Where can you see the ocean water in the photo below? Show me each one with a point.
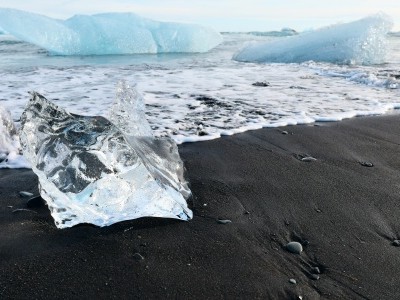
(195, 97)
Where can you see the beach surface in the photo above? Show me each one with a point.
(333, 187)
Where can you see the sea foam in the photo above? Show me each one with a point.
(359, 42)
(109, 33)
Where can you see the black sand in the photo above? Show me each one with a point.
(345, 214)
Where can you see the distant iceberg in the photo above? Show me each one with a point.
(109, 33)
(100, 171)
(359, 42)
(281, 33)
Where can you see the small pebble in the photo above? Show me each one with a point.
(315, 270)
(305, 242)
(224, 221)
(308, 159)
(284, 132)
(25, 194)
(23, 209)
(294, 247)
(246, 212)
(202, 133)
(366, 164)
(292, 281)
(138, 256)
(314, 277)
(396, 243)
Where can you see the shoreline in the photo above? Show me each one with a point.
(343, 212)
(321, 121)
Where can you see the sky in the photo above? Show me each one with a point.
(224, 15)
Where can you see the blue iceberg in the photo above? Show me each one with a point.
(109, 33)
(359, 42)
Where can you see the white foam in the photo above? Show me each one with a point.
(201, 97)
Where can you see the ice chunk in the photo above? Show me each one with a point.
(128, 112)
(10, 150)
(359, 42)
(111, 33)
(91, 171)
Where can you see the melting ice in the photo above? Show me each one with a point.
(109, 33)
(359, 42)
(100, 171)
(10, 150)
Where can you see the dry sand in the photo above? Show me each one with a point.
(345, 214)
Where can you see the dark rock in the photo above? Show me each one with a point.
(366, 164)
(314, 276)
(211, 102)
(202, 133)
(25, 194)
(35, 202)
(224, 221)
(315, 270)
(308, 159)
(261, 83)
(294, 247)
(18, 210)
(304, 157)
(396, 243)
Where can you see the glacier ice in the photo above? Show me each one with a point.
(108, 33)
(100, 171)
(10, 150)
(358, 42)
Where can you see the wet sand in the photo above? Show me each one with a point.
(344, 212)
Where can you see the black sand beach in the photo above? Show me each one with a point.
(344, 212)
